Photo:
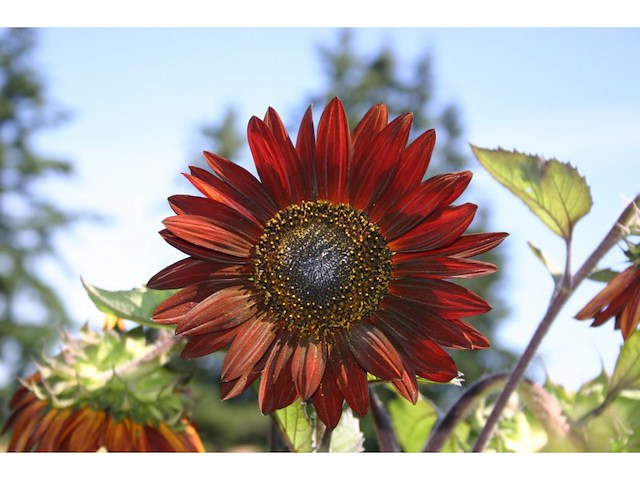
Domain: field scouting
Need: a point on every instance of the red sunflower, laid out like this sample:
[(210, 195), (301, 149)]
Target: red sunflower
[(619, 299), (333, 266)]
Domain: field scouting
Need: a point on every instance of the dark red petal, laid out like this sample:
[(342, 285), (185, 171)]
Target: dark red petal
[(608, 294), (327, 401), (374, 351), (174, 308), (189, 271), (272, 166), (241, 180), (252, 342), (224, 309), (442, 298), (371, 124), (216, 189), (238, 385), (333, 153), (407, 386), (202, 253), (277, 389), (630, 316), (438, 230), (201, 345), (307, 367), (287, 152), (221, 213), (375, 171), (421, 322), (395, 219), (470, 245), (413, 165), (205, 233), (306, 149), (349, 376), (429, 360), (416, 265)]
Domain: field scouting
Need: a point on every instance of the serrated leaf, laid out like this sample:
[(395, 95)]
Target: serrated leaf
[(412, 423), (553, 269), (626, 375), (347, 437), (553, 190), (296, 427), (136, 304)]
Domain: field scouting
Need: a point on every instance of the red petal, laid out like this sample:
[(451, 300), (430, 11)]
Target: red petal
[(333, 150), (470, 245), (429, 360), (205, 233), (374, 351), (238, 385), (375, 171), (327, 401), (202, 345), (202, 253), (272, 166), (243, 182), (371, 124), (442, 298), (395, 219), (306, 149), (608, 294), (174, 308), (349, 376), (288, 153), (277, 389), (421, 322), (415, 265), (307, 367), (413, 165), (214, 188), (224, 309), (407, 386), (438, 230), (630, 316), (189, 271), (252, 342), (219, 212)]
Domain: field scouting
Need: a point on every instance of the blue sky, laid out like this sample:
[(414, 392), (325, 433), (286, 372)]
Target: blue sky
[(138, 97)]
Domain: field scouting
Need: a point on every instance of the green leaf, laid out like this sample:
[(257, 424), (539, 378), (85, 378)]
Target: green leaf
[(553, 190), (137, 304), (296, 427), (626, 375), (605, 275), (347, 437), (554, 270), (412, 423)]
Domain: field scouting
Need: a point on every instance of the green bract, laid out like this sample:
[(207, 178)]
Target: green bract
[(113, 371)]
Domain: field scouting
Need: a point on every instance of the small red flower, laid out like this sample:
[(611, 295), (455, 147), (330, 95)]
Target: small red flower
[(331, 267), (619, 299)]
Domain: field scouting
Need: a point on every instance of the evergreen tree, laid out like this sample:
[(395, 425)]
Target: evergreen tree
[(30, 309)]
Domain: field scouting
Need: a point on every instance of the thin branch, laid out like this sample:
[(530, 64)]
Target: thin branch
[(442, 431), (566, 287), (385, 434)]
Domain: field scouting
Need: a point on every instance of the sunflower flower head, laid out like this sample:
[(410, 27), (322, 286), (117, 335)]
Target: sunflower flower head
[(100, 393), (620, 299), (330, 268)]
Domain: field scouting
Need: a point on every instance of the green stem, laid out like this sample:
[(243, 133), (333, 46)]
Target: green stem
[(565, 288), (443, 430)]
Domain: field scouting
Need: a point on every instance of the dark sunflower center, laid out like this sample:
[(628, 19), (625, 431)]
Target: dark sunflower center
[(321, 266)]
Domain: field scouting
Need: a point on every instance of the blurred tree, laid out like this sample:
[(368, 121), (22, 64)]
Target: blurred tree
[(361, 81), (30, 309)]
